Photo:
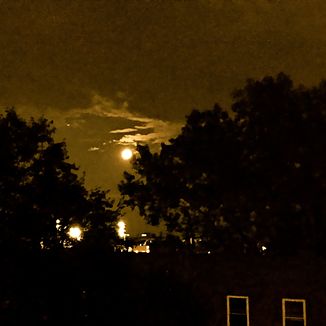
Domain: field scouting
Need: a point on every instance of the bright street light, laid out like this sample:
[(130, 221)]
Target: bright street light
[(75, 232), (122, 229)]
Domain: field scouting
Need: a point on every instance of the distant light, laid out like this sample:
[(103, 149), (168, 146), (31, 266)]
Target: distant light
[(297, 165), (75, 232), (263, 248), (141, 249), (122, 229), (126, 154), (57, 224), (144, 234)]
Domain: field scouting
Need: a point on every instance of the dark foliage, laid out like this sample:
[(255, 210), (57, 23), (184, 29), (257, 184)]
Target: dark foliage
[(99, 289), (151, 290), (41, 195), (254, 178)]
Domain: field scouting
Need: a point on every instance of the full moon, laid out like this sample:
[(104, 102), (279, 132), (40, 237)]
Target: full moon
[(126, 154)]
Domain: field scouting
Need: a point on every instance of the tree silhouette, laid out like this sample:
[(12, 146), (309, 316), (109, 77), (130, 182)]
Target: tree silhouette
[(100, 221), (283, 136), (188, 184), (254, 177), (41, 194)]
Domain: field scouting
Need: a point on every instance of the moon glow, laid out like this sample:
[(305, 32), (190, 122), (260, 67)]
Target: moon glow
[(126, 154)]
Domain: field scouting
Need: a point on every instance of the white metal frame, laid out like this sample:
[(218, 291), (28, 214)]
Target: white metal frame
[(285, 318), (229, 313)]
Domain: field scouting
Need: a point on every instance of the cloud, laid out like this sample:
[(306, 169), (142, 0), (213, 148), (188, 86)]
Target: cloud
[(104, 107), (141, 127), (93, 149), (126, 130), (162, 132), (149, 130)]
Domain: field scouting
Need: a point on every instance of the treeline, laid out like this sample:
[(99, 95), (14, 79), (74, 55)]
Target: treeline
[(247, 180), (251, 179), (41, 195)]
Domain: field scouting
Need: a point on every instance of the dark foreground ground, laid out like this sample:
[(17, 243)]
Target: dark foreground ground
[(140, 289)]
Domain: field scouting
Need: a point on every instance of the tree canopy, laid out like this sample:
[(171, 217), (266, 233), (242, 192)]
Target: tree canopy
[(41, 194), (253, 176)]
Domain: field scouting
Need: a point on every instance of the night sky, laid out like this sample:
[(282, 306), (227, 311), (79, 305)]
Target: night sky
[(111, 73)]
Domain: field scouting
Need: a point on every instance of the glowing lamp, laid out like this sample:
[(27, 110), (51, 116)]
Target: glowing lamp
[(75, 233)]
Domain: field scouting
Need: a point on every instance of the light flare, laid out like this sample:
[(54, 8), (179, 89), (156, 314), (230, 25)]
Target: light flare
[(75, 232)]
